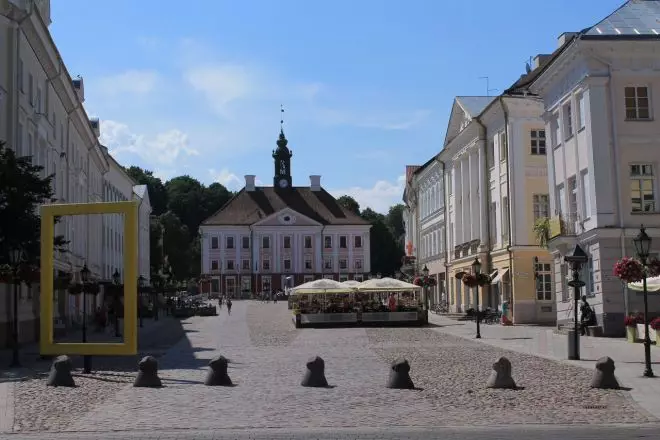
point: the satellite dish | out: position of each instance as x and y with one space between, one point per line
528 68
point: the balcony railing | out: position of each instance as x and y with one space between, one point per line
567 225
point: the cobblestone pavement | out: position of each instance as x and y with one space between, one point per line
38 407
538 432
268 361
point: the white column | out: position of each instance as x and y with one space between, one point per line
472 196
465 201
482 197
335 253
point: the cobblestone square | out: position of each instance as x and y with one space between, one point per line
268 360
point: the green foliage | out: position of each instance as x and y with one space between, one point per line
542 231
22 191
349 203
157 192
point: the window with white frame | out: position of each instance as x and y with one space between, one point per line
265 242
287 264
214 265
287 242
358 277
343 264
327 242
556 140
543 273
637 103
357 241
308 278
230 242
541 203
230 264
343 242
343 278
568 120
642 188
308 241
308 264
503 147
581 112
245 264
358 264
246 242
214 242
537 142
265 264
491 153
327 263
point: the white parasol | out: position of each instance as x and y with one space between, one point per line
322 286
386 285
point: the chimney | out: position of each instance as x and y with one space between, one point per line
96 126
565 37
249 182
79 87
315 182
538 60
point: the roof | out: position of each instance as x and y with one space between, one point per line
140 190
249 207
635 17
474 105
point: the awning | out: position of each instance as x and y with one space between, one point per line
499 276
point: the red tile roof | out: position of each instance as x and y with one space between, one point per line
247 208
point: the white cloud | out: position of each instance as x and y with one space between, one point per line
132 82
221 85
379 197
161 151
230 180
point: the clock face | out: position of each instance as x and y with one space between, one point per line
284 183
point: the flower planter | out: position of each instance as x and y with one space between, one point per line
641 334
631 334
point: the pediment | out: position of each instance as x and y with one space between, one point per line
287 217
458 119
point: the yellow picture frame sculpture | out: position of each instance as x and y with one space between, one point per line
48 214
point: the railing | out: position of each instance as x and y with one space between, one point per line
566 225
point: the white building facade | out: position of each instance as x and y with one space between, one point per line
42 116
600 89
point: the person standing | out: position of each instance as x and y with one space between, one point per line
228 306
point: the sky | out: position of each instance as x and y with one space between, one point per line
367 85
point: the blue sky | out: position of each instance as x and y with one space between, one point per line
195 87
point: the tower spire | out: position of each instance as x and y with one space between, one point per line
281 118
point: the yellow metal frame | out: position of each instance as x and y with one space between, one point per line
48 214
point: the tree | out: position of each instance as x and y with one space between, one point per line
176 245
349 203
215 196
156 251
157 192
185 198
372 216
394 220
386 253
22 190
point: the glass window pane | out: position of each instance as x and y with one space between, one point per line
642 92
631 113
644 113
630 92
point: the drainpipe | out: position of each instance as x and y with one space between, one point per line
253 279
445 201
508 192
323 252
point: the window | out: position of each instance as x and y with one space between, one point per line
343 242
538 142
358 264
343 264
493 222
230 264
586 195
357 241
308 242
265 264
287 264
343 278
245 264
308 264
327 263
214 242
230 242
505 219
555 129
503 147
581 112
642 191
543 275
637 103
588 276
327 242
215 285
265 243
358 277
491 153
38 103
214 264
568 121
246 242
287 242
541 206
308 278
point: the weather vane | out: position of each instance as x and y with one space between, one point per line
281 116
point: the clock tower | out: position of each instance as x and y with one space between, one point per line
282 159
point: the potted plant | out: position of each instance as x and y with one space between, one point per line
631 327
542 231
470 280
628 270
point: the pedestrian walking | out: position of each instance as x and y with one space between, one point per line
228 306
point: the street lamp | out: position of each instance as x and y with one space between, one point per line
84 276
15 257
643 246
576 259
476 267
140 285
116 279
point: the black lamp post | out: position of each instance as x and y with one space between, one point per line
116 279
84 276
16 257
576 259
425 274
476 267
140 285
643 246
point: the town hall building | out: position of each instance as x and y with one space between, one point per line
267 238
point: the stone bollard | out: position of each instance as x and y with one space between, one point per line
217 374
603 377
400 375
501 375
315 374
148 373
60 373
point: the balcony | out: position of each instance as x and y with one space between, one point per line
566 225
